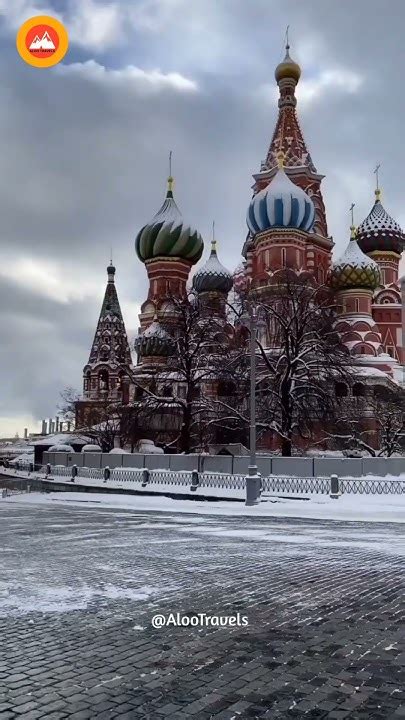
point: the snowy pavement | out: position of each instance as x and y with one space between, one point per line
80 582
351 507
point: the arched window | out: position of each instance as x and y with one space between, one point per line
341 390
139 393
381 393
103 380
359 390
87 381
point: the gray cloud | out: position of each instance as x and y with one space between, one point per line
84 154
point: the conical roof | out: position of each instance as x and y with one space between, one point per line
110 344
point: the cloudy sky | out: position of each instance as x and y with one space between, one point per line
84 150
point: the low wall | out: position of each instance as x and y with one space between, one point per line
267 465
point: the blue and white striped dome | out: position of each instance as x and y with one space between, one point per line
280 205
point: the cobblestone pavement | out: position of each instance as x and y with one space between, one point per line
79 587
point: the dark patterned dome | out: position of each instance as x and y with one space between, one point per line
354 269
379 231
213 276
154 341
169 235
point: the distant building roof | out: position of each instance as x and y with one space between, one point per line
62 439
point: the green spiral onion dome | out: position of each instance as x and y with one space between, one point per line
355 269
168 235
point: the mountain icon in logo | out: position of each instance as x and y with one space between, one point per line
45 43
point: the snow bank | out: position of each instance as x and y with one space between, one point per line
367 508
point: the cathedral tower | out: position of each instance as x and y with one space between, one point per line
169 247
381 237
105 376
286 217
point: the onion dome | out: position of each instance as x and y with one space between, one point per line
169 235
61 448
91 448
288 68
379 231
281 205
354 269
213 276
154 341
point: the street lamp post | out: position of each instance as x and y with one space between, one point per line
253 480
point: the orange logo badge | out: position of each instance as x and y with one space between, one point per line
42 41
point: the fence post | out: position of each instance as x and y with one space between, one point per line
334 487
107 474
195 480
145 477
74 473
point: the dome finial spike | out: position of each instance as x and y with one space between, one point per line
377 190
170 180
213 240
352 227
287 44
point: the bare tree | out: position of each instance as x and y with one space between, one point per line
301 358
374 423
107 422
200 359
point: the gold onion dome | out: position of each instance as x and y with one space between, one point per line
288 68
354 269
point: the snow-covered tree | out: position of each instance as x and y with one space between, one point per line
180 395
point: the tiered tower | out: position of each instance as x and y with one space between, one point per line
288 139
381 237
213 282
286 218
169 247
105 376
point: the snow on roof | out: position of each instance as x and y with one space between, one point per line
62 439
371 371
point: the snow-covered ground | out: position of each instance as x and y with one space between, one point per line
356 508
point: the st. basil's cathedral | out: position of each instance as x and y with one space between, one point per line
287 228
